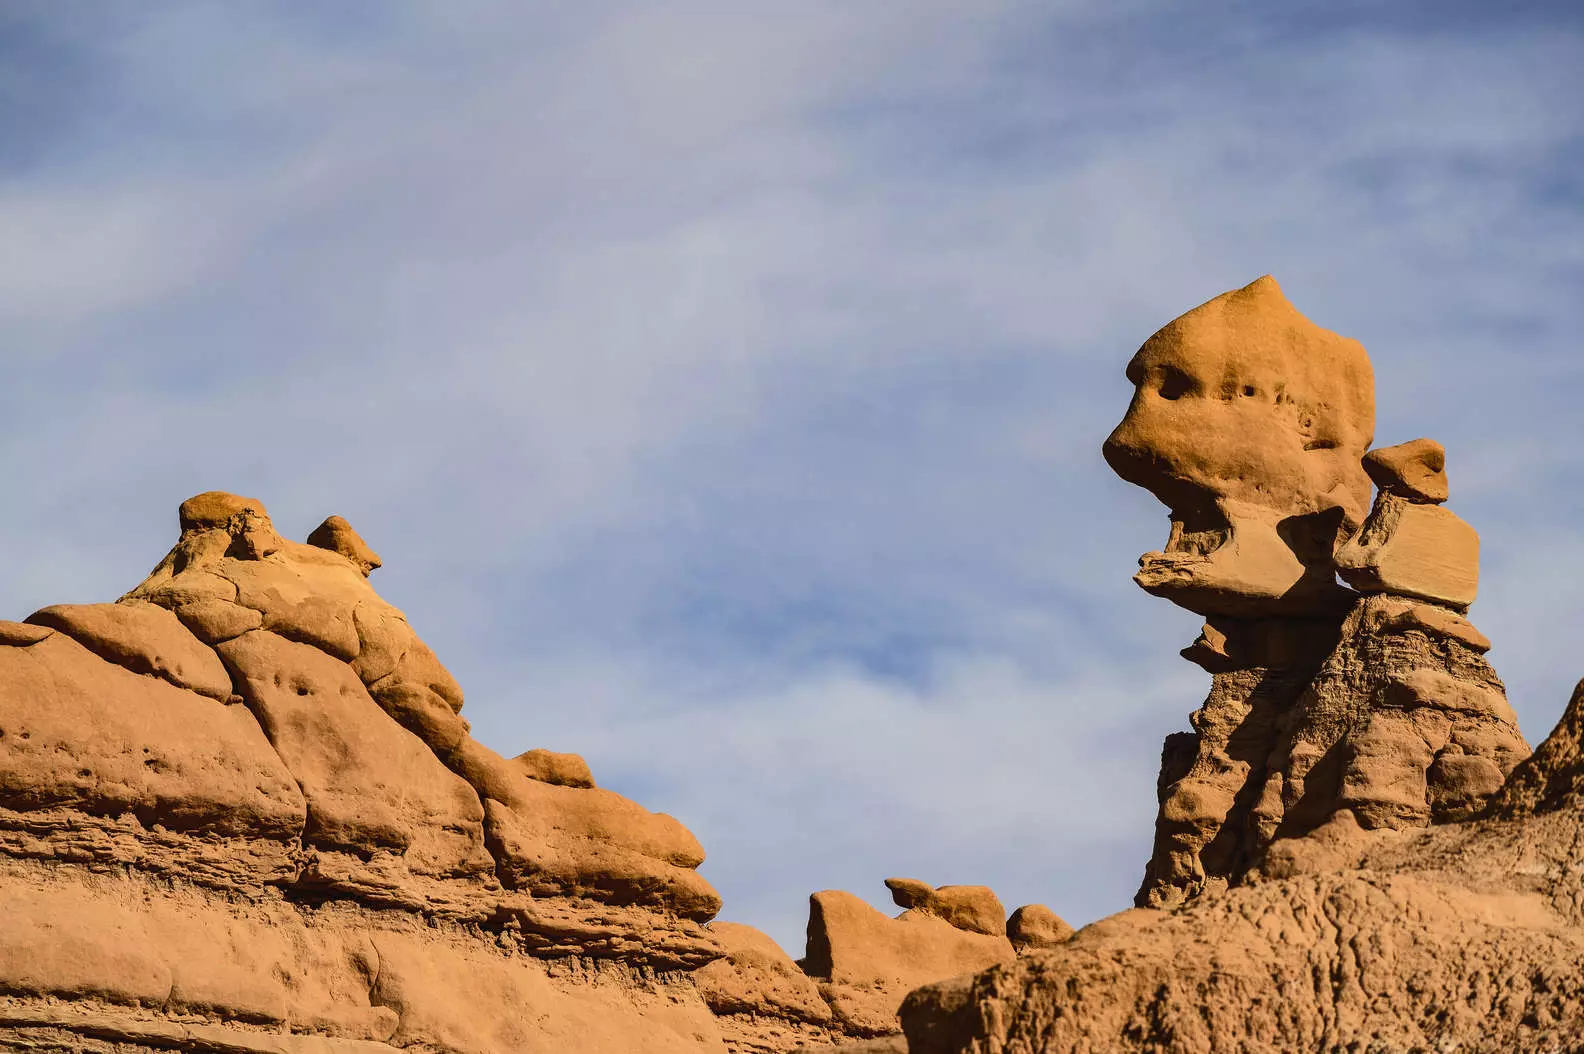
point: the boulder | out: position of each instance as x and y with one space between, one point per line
337 536
547 766
1415 471
1034 927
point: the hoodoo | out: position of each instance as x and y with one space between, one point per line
1354 847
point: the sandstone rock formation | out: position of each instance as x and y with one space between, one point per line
1466 936
240 811
1322 699
865 962
1355 849
1248 421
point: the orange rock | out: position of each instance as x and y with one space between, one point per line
144 639
1034 927
973 908
868 962
369 783
337 535
1249 422
79 732
1413 550
1416 470
547 766
757 977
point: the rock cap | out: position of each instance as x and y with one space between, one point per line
1414 470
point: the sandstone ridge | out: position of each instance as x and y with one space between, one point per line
240 810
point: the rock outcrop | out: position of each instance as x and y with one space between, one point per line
240 811
1355 848
1251 422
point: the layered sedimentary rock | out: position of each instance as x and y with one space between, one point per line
1251 422
1355 849
240 810
1465 936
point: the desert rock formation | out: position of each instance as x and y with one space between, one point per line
1355 849
240 811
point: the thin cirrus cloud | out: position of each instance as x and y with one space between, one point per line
724 387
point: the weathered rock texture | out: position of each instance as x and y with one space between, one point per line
1249 421
1378 703
1466 936
240 811
1355 850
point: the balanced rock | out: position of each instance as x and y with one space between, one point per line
337 536
1355 848
1251 423
1415 470
973 908
1034 927
1411 549
547 766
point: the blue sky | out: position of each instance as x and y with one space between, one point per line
723 383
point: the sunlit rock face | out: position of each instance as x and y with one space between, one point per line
1249 422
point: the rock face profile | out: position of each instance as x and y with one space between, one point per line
240 811
1355 848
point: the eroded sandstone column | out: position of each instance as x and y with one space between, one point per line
1330 711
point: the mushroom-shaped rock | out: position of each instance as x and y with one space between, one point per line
337 535
1034 926
1415 470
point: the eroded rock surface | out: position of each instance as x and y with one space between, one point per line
1248 421
1355 848
865 961
1465 936
240 810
